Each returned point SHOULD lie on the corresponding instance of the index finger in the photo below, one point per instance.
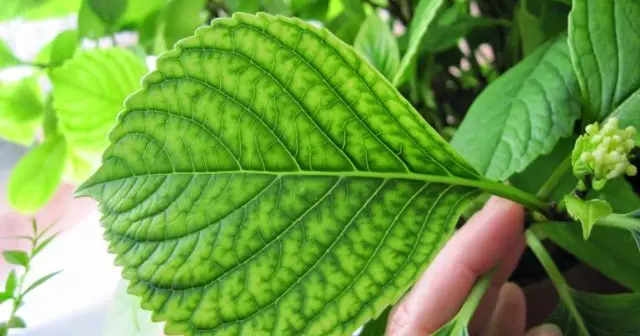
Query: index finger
(477, 247)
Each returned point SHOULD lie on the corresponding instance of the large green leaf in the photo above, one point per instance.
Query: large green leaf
(604, 315)
(604, 38)
(424, 15)
(36, 177)
(21, 110)
(88, 91)
(378, 45)
(268, 179)
(522, 114)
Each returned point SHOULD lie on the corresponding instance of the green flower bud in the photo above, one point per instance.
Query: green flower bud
(603, 153)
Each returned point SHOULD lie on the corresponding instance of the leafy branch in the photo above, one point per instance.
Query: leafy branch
(14, 289)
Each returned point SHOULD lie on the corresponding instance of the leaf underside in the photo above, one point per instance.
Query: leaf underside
(267, 180)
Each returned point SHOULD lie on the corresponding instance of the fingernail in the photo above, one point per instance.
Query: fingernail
(545, 330)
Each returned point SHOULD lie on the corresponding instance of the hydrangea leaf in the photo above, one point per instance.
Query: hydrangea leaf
(523, 113)
(21, 110)
(103, 78)
(267, 180)
(378, 45)
(586, 211)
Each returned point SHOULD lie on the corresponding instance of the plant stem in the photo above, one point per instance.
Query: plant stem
(473, 300)
(555, 178)
(557, 279)
(620, 221)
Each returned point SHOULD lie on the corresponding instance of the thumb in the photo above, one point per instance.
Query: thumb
(545, 330)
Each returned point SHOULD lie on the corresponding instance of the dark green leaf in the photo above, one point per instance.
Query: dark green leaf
(603, 315)
(16, 257)
(91, 75)
(30, 186)
(377, 326)
(40, 281)
(611, 251)
(334, 193)
(182, 18)
(310, 9)
(21, 110)
(16, 322)
(10, 284)
(378, 45)
(424, 16)
(522, 114)
(604, 38)
(7, 58)
(109, 11)
(538, 21)
(347, 24)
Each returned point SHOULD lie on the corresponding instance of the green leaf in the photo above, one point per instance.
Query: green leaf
(586, 211)
(423, 17)
(611, 251)
(268, 179)
(538, 21)
(36, 177)
(44, 9)
(377, 326)
(60, 49)
(43, 244)
(378, 45)
(126, 318)
(16, 322)
(604, 315)
(603, 38)
(11, 283)
(310, 9)
(4, 297)
(21, 110)
(40, 281)
(346, 24)
(102, 78)
(452, 329)
(7, 58)
(109, 11)
(16, 257)
(530, 27)
(522, 114)
(89, 23)
(139, 10)
(246, 6)
(182, 18)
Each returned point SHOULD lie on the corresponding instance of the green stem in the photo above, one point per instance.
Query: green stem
(620, 221)
(555, 178)
(473, 300)
(557, 279)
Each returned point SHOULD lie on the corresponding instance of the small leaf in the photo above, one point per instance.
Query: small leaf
(109, 11)
(522, 115)
(7, 58)
(603, 39)
(182, 18)
(126, 318)
(21, 110)
(40, 281)
(11, 284)
(16, 257)
(4, 329)
(603, 315)
(424, 16)
(324, 168)
(586, 211)
(4, 297)
(91, 75)
(36, 177)
(89, 23)
(378, 45)
(245, 6)
(60, 49)
(44, 244)
(16, 322)
(310, 9)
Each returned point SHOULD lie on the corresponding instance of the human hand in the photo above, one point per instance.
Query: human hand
(491, 238)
